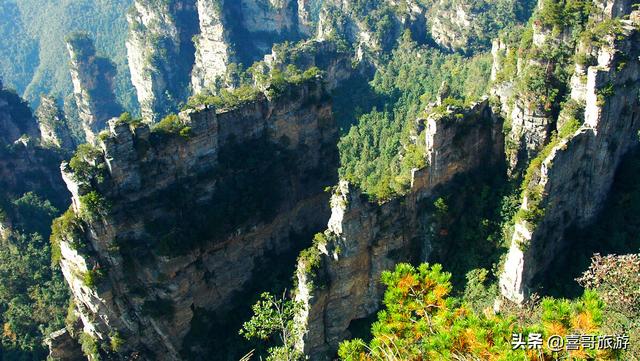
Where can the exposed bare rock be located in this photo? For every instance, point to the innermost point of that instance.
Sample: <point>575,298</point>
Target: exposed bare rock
<point>363,238</point>
<point>63,347</point>
<point>325,55</point>
<point>93,84</point>
<point>161,53</point>
<point>575,176</point>
<point>53,126</point>
<point>191,219</point>
<point>213,46</point>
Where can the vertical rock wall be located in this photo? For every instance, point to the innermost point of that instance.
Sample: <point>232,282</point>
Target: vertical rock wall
<point>92,78</point>
<point>161,53</point>
<point>264,163</point>
<point>213,47</point>
<point>577,174</point>
<point>53,126</point>
<point>363,239</point>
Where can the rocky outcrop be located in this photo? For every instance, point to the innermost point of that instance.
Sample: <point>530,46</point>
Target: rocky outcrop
<point>451,26</point>
<point>161,53</point>
<point>15,118</point>
<point>24,165</point>
<point>164,60</point>
<point>363,239</point>
<point>609,9</point>
<point>269,16</point>
<point>191,219</point>
<point>63,347</point>
<point>531,110</point>
<point>53,125</point>
<point>571,182</point>
<point>93,84</point>
<point>325,55</point>
<point>213,46</point>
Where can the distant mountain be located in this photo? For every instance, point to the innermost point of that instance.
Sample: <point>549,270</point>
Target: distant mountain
<point>33,57</point>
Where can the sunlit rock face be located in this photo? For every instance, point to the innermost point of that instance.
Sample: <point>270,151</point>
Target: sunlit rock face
<point>93,83</point>
<point>364,238</point>
<point>213,47</point>
<point>192,217</point>
<point>576,176</point>
<point>54,129</point>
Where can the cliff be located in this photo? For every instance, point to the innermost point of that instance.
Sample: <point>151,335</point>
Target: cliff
<point>53,126</point>
<point>326,55</point>
<point>213,47</point>
<point>338,280</point>
<point>93,84</point>
<point>24,165</point>
<point>206,37</point>
<point>570,180</point>
<point>161,53</point>
<point>189,219</point>
<point>15,118</point>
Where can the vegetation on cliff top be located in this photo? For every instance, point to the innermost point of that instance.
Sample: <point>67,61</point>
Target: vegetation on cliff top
<point>376,153</point>
<point>420,319</point>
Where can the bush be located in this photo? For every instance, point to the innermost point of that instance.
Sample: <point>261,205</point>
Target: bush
<point>89,346</point>
<point>126,118</point>
<point>93,277</point>
<point>225,99</point>
<point>67,227</point>
<point>116,341</point>
<point>604,93</point>
<point>421,321</point>
<point>171,124</point>
<point>93,206</point>
<point>87,164</point>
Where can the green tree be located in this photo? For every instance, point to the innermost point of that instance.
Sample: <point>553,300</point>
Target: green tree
<point>273,316</point>
<point>421,321</point>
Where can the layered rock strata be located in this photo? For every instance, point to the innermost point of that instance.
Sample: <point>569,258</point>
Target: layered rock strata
<point>573,179</point>
<point>190,219</point>
<point>363,239</point>
<point>93,85</point>
<point>161,53</point>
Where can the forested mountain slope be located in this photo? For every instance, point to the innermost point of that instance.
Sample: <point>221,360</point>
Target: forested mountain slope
<point>294,166</point>
<point>34,57</point>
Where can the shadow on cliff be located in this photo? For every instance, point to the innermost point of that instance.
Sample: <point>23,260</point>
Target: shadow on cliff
<point>466,222</point>
<point>214,335</point>
<point>616,230</point>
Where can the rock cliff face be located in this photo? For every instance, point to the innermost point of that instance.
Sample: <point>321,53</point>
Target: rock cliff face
<point>53,126</point>
<point>452,26</point>
<point>190,220</point>
<point>269,16</point>
<point>325,55</point>
<point>92,78</point>
<point>161,53</point>
<point>213,46</point>
<point>15,118</point>
<point>363,239</point>
<point>572,180</point>
<point>24,165</point>
<point>223,32</point>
